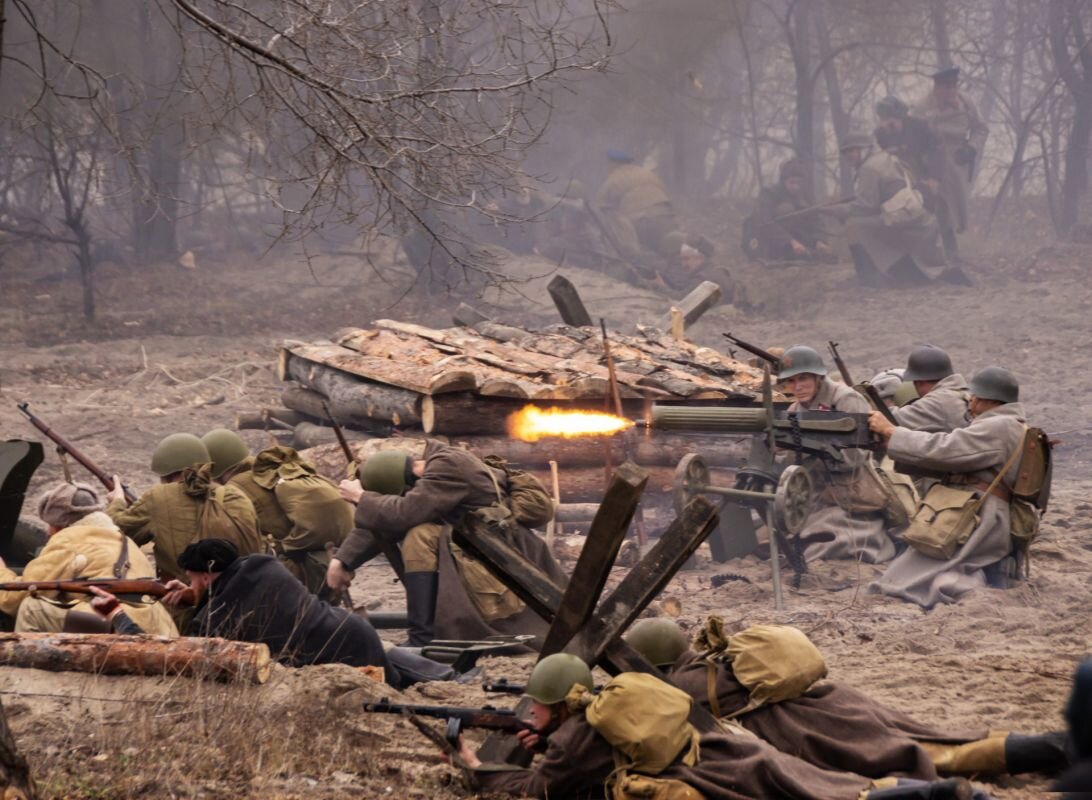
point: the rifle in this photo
(503, 686)
(765, 355)
(390, 549)
(838, 362)
(877, 402)
(488, 717)
(65, 446)
(119, 587)
(811, 210)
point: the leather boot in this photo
(415, 668)
(1043, 753)
(420, 606)
(906, 789)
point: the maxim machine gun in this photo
(779, 489)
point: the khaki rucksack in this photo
(528, 500)
(1030, 491)
(646, 721)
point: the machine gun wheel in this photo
(792, 500)
(691, 478)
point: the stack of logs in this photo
(462, 383)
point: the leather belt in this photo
(999, 491)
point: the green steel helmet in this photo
(555, 675)
(226, 449)
(177, 452)
(659, 639)
(906, 393)
(927, 363)
(800, 359)
(892, 106)
(995, 383)
(385, 472)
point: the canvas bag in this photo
(948, 516)
(904, 208)
(645, 720)
(774, 662)
(528, 500)
(1031, 491)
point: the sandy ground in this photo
(185, 351)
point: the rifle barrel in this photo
(142, 586)
(765, 355)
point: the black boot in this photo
(415, 668)
(1043, 753)
(950, 789)
(867, 273)
(420, 606)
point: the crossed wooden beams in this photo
(579, 626)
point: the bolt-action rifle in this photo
(765, 355)
(125, 588)
(495, 719)
(816, 209)
(65, 446)
(838, 362)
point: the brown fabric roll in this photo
(68, 503)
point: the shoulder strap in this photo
(711, 687)
(1016, 453)
(121, 566)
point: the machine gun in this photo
(488, 717)
(780, 491)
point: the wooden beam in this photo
(646, 580)
(467, 316)
(568, 302)
(608, 531)
(706, 296)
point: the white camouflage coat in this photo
(980, 449)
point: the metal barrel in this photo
(710, 419)
(388, 620)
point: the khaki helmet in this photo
(385, 472)
(555, 675)
(892, 107)
(799, 360)
(905, 394)
(927, 363)
(177, 452)
(226, 449)
(660, 640)
(995, 383)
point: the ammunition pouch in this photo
(943, 521)
(862, 491)
(645, 787)
(1023, 525)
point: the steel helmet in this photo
(555, 675)
(226, 449)
(800, 359)
(855, 139)
(177, 452)
(385, 472)
(659, 639)
(927, 363)
(995, 383)
(892, 106)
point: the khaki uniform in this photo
(943, 409)
(173, 515)
(89, 549)
(298, 509)
(636, 206)
(970, 456)
(879, 178)
(955, 126)
(856, 534)
(775, 237)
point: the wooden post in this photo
(568, 302)
(706, 296)
(678, 325)
(608, 531)
(554, 525)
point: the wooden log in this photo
(395, 366)
(586, 485)
(308, 434)
(262, 419)
(575, 512)
(568, 302)
(352, 399)
(608, 531)
(466, 413)
(645, 581)
(707, 295)
(111, 654)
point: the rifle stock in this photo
(487, 717)
(116, 586)
(765, 355)
(877, 402)
(838, 362)
(81, 458)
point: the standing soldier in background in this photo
(186, 506)
(954, 119)
(300, 510)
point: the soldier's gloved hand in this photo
(879, 425)
(337, 577)
(104, 603)
(351, 491)
(180, 594)
(116, 492)
(529, 740)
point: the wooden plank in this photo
(701, 299)
(543, 596)
(608, 531)
(468, 316)
(427, 379)
(568, 302)
(645, 581)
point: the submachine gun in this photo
(780, 490)
(488, 717)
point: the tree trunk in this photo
(307, 435)
(838, 116)
(939, 13)
(800, 44)
(110, 654)
(15, 780)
